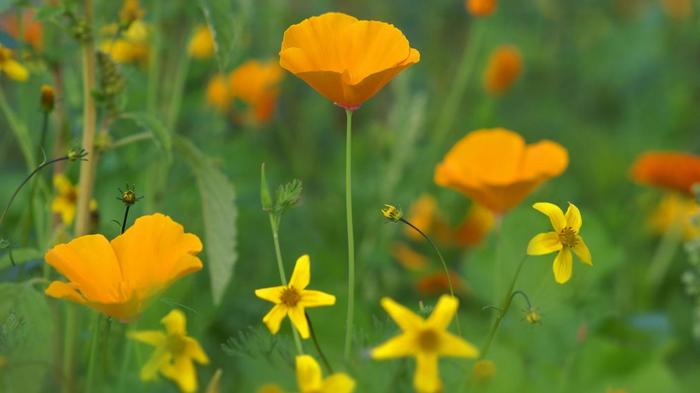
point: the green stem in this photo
(507, 301)
(127, 140)
(663, 256)
(19, 129)
(351, 235)
(316, 344)
(68, 348)
(274, 226)
(93, 353)
(125, 364)
(444, 266)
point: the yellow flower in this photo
(503, 69)
(117, 278)
(345, 59)
(484, 370)
(564, 239)
(676, 210)
(391, 212)
(218, 94)
(255, 83)
(66, 199)
(426, 339)
(480, 7)
(533, 317)
(131, 11)
(497, 169)
(310, 379)
(175, 352)
(201, 44)
(10, 66)
(132, 47)
(291, 300)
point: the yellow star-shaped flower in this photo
(174, 354)
(291, 300)
(310, 379)
(564, 239)
(426, 339)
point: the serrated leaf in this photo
(20, 256)
(26, 338)
(162, 137)
(219, 212)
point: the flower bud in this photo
(47, 99)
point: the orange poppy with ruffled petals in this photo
(345, 59)
(497, 169)
(117, 278)
(670, 170)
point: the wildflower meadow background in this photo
(334, 196)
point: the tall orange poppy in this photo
(345, 59)
(497, 169)
(671, 170)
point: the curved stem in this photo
(444, 266)
(318, 347)
(351, 235)
(507, 301)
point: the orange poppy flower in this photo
(437, 283)
(218, 94)
(407, 257)
(33, 30)
(255, 83)
(117, 278)
(497, 169)
(345, 59)
(480, 7)
(671, 170)
(422, 215)
(503, 69)
(476, 225)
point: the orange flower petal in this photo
(671, 170)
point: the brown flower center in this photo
(568, 237)
(175, 344)
(428, 340)
(290, 297)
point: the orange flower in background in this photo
(478, 222)
(503, 69)
(678, 9)
(201, 44)
(33, 30)
(480, 7)
(345, 59)
(218, 93)
(117, 278)
(437, 283)
(422, 215)
(497, 169)
(671, 170)
(255, 83)
(407, 257)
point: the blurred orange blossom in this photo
(480, 7)
(503, 69)
(345, 59)
(671, 170)
(497, 169)
(117, 278)
(255, 83)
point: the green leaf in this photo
(149, 123)
(219, 211)
(26, 338)
(48, 12)
(288, 195)
(20, 256)
(227, 26)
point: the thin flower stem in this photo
(127, 140)
(444, 266)
(351, 235)
(316, 344)
(87, 168)
(93, 353)
(274, 227)
(69, 347)
(126, 217)
(663, 256)
(507, 301)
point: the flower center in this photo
(175, 344)
(290, 297)
(428, 340)
(567, 237)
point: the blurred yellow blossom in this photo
(64, 203)
(292, 300)
(310, 378)
(201, 44)
(175, 352)
(131, 46)
(426, 339)
(11, 67)
(503, 69)
(676, 210)
(130, 12)
(218, 93)
(484, 370)
(255, 83)
(564, 239)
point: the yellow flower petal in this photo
(62, 290)
(396, 347)
(556, 216)
(151, 337)
(338, 383)
(158, 359)
(403, 317)
(562, 266)
(308, 372)
(544, 243)
(271, 294)
(427, 378)
(310, 298)
(63, 186)
(15, 70)
(274, 318)
(175, 323)
(451, 345)
(443, 312)
(182, 372)
(201, 44)
(573, 217)
(302, 273)
(298, 318)
(581, 250)
(195, 351)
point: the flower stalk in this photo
(351, 234)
